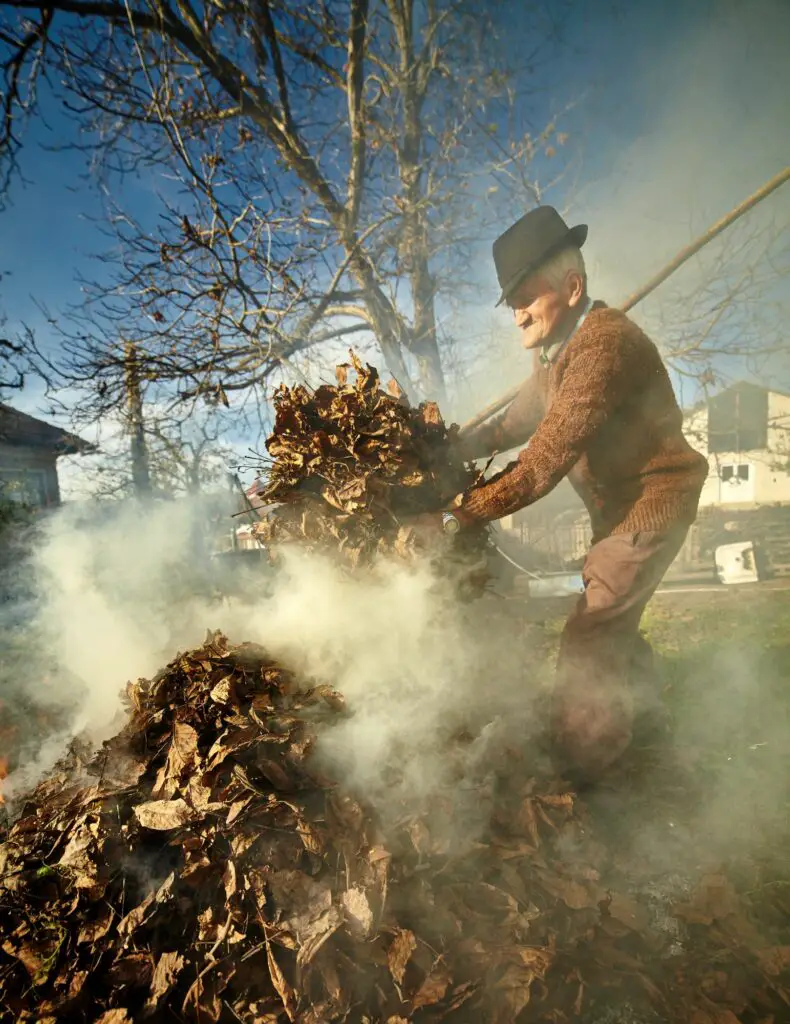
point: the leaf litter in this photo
(352, 463)
(199, 867)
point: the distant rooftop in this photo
(19, 428)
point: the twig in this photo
(196, 984)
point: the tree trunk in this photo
(414, 252)
(141, 471)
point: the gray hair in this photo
(561, 264)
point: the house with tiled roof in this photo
(29, 453)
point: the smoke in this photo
(417, 670)
(104, 594)
(444, 700)
(686, 128)
(707, 112)
(114, 593)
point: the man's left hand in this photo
(428, 528)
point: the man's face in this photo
(542, 312)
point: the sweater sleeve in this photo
(593, 385)
(513, 428)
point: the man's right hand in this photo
(469, 446)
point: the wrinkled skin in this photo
(543, 314)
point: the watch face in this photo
(451, 524)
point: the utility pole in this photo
(141, 472)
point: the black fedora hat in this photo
(529, 243)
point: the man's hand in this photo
(468, 446)
(428, 529)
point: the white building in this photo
(745, 433)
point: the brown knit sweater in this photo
(605, 415)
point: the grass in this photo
(725, 660)
(718, 790)
(691, 626)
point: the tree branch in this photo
(356, 115)
(277, 59)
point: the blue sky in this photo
(679, 117)
(47, 236)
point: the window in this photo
(738, 420)
(739, 474)
(26, 486)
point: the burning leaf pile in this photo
(198, 868)
(352, 463)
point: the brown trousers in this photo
(605, 671)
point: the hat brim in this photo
(576, 236)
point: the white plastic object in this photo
(736, 563)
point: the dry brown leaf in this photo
(168, 967)
(774, 960)
(714, 899)
(433, 988)
(140, 914)
(77, 984)
(313, 936)
(358, 912)
(628, 912)
(536, 958)
(281, 986)
(526, 820)
(399, 953)
(181, 756)
(199, 796)
(274, 774)
(563, 800)
(237, 808)
(94, 929)
(131, 969)
(31, 961)
(229, 880)
(77, 854)
(511, 993)
(575, 895)
(163, 815)
(310, 916)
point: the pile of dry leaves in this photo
(353, 463)
(198, 869)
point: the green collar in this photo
(549, 353)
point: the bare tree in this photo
(12, 353)
(11, 376)
(726, 318)
(181, 457)
(330, 166)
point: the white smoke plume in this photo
(117, 595)
(438, 694)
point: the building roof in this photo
(18, 428)
(738, 385)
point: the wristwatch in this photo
(450, 523)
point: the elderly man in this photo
(600, 409)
